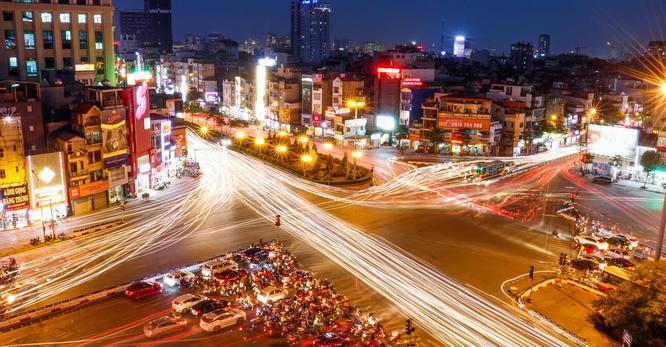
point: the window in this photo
(7, 16)
(65, 18)
(99, 40)
(97, 18)
(67, 63)
(47, 37)
(29, 39)
(72, 166)
(27, 16)
(31, 128)
(82, 18)
(13, 66)
(2, 174)
(97, 2)
(63, 2)
(49, 63)
(83, 39)
(47, 17)
(66, 37)
(93, 137)
(80, 2)
(100, 65)
(31, 67)
(10, 39)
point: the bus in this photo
(490, 169)
(612, 277)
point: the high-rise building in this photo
(459, 46)
(543, 48)
(371, 48)
(522, 55)
(45, 38)
(150, 27)
(310, 36)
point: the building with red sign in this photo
(140, 159)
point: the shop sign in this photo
(114, 135)
(116, 161)
(462, 123)
(15, 197)
(88, 189)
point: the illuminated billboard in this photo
(47, 180)
(451, 123)
(114, 138)
(611, 141)
(459, 46)
(14, 197)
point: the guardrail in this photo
(28, 317)
(96, 227)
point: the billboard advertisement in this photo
(463, 123)
(14, 197)
(611, 141)
(47, 179)
(114, 138)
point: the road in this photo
(479, 250)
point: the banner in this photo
(14, 197)
(463, 123)
(114, 137)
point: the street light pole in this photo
(660, 237)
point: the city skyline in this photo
(484, 24)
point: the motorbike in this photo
(34, 241)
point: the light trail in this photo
(452, 313)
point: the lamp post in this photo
(662, 222)
(355, 105)
(45, 175)
(306, 159)
(356, 155)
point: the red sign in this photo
(463, 123)
(412, 82)
(317, 77)
(389, 72)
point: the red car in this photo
(587, 249)
(142, 288)
(230, 276)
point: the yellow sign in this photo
(84, 67)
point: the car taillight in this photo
(177, 302)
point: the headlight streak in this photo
(449, 311)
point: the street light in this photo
(259, 141)
(304, 139)
(281, 149)
(240, 135)
(46, 176)
(306, 159)
(282, 133)
(203, 130)
(357, 154)
(328, 146)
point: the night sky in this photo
(487, 24)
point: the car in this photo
(141, 289)
(633, 242)
(600, 243)
(331, 340)
(206, 306)
(164, 325)
(174, 278)
(618, 242)
(216, 266)
(620, 262)
(216, 320)
(255, 252)
(271, 294)
(582, 264)
(587, 249)
(230, 276)
(602, 180)
(599, 261)
(617, 253)
(186, 301)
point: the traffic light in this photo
(531, 272)
(277, 220)
(409, 327)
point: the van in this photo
(214, 267)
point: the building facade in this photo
(148, 28)
(310, 30)
(46, 39)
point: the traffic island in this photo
(570, 307)
(300, 158)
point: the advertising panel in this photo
(661, 141)
(165, 145)
(88, 189)
(610, 141)
(601, 169)
(463, 123)
(14, 197)
(114, 138)
(47, 179)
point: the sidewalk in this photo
(637, 185)
(571, 308)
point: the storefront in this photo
(117, 184)
(48, 195)
(88, 197)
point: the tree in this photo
(649, 161)
(435, 138)
(639, 305)
(193, 95)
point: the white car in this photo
(214, 267)
(186, 301)
(593, 240)
(173, 278)
(271, 294)
(218, 319)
